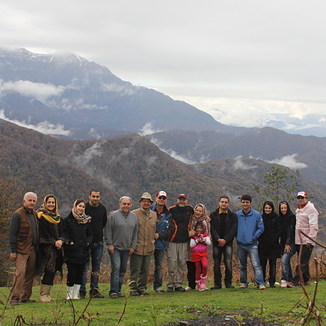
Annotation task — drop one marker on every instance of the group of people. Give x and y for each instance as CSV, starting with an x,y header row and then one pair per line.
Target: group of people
x,y
41,241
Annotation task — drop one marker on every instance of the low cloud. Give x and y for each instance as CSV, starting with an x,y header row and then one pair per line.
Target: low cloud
x,y
290,161
39,91
148,130
43,127
240,165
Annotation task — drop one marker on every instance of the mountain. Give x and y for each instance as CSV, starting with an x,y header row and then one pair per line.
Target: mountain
x,y
64,94
304,153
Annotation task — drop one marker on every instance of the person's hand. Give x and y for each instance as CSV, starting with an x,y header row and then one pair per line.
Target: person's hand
x,y
308,245
58,244
13,256
287,248
156,236
221,242
191,233
111,250
131,251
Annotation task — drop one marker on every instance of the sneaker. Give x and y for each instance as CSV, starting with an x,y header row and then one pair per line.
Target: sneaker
x,y
243,286
143,292
114,296
188,288
159,290
14,302
262,287
170,289
216,287
284,284
120,295
94,293
134,293
180,289
290,285
229,286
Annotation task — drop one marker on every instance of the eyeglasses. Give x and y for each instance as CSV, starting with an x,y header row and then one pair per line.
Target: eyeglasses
x,y
162,197
300,197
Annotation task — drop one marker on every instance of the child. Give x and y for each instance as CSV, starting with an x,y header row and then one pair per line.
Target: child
x,y
199,246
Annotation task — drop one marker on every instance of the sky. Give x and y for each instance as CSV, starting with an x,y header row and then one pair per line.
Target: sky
x,y
243,62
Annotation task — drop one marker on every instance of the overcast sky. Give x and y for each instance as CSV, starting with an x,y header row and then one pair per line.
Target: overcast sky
x,y
241,61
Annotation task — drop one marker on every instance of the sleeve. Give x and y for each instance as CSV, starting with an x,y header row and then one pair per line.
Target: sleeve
x,y
313,225
105,217
108,231
135,235
193,243
213,223
233,229
260,227
89,233
13,229
208,240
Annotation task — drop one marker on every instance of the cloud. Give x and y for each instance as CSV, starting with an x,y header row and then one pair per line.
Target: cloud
x,y
122,89
290,162
148,130
39,91
44,127
240,165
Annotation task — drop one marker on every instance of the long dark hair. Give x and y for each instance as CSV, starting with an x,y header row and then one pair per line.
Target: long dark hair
x,y
269,203
288,212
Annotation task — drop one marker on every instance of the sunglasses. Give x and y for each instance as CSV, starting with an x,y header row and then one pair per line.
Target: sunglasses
x,y
300,197
162,197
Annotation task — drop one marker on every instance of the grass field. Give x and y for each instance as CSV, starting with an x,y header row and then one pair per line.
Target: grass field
x,y
284,306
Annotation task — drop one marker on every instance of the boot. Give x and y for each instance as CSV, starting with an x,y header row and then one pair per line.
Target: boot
x,y
198,282
70,292
203,282
44,293
76,289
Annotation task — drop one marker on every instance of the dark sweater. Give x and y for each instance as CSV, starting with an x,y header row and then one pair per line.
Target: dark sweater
x,y
98,222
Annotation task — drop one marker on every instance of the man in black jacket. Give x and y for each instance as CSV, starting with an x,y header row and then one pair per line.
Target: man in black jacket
x,y
224,225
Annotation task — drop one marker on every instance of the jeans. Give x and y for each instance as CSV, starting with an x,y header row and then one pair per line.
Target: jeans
x,y
252,252
119,261
304,263
286,265
95,253
158,272
226,251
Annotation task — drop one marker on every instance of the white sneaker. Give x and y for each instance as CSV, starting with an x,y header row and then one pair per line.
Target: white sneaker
x,y
243,286
188,288
284,284
262,287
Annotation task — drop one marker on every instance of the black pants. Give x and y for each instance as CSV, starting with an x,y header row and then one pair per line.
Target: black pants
x,y
304,263
272,269
75,274
191,274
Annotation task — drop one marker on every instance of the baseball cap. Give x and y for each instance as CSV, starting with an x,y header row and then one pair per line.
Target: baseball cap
x,y
162,193
182,196
302,194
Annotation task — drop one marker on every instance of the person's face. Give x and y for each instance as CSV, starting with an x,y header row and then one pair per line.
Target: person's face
x,y
182,201
245,204
267,209
50,204
125,206
145,204
30,202
284,209
224,203
161,200
80,208
302,200
94,198
198,212
199,229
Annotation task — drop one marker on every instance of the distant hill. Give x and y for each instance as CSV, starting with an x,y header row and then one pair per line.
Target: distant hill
x,y
305,153
67,95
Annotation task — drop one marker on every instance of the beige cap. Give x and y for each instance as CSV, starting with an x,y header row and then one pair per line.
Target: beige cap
x,y
146,195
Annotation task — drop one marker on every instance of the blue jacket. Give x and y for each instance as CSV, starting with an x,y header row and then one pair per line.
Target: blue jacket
x,y
164,227
250,228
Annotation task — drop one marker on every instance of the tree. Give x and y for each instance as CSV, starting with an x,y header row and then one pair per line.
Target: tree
x,y
280,184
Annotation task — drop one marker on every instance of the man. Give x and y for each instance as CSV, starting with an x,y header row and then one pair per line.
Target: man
x,y
140,259
177,250
99,217
224,225
307,222
250,228
121,232
164,229
23,239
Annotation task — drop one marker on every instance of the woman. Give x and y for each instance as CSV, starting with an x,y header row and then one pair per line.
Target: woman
x,y
200,214
79,235
269,247
288,248
50,253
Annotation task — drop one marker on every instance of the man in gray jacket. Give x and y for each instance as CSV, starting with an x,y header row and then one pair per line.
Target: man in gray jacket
x,y
121,232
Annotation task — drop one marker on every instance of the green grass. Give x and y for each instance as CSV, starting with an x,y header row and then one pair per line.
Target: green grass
x,y
285,306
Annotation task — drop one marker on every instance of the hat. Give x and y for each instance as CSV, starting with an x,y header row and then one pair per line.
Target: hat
x,y
162,193
182,196
302,194
146,195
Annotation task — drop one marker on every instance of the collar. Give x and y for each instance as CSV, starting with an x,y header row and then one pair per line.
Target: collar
x,y
220,211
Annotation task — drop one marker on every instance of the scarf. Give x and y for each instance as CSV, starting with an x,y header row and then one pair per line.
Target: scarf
x,y
51,216
81,218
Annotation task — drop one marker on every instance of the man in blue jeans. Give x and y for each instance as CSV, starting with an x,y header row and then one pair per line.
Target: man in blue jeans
x,y
121,232
99,217
164,229
250,228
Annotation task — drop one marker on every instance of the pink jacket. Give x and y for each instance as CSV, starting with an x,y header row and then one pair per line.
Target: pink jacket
x,y
200,246
307,221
